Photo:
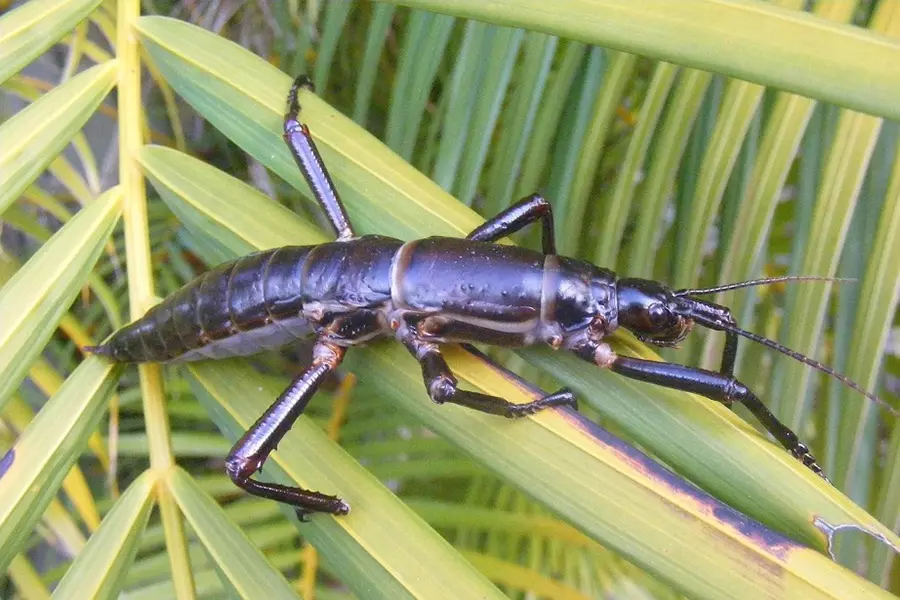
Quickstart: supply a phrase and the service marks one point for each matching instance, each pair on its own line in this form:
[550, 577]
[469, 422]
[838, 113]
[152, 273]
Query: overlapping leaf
[385, 196]
[837, 59]
[32, 470]
[740, 460]
[602, 481]
[244, 569]
[364, 544]
[37, 296]
[35, 26]
[34, 137]
[101, 567]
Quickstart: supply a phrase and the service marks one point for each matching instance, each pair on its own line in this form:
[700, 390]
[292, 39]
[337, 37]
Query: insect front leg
[715, 386]
[443, 387]
[250, 452]
[519, 215]
[307, 157]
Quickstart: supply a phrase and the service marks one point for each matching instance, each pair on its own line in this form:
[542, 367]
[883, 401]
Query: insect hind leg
[307, 157]
[250, 452]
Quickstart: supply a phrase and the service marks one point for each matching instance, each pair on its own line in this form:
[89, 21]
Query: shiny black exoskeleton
[426, 293]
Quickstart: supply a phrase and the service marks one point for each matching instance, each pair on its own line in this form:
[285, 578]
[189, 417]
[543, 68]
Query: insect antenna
[755, 282]
[784, 349]
[812, 363]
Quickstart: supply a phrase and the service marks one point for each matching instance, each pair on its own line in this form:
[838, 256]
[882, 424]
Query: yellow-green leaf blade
[363, 545]
[33, 137]
[674, 132]
[841, 64]
[214, 197]
[611, 221]
[100, 568]
[26, 579]
[39, 294]
[239, 116]
[234, 397]
[35, 26]
[246, 570]
[603, 488]
[35, 466]
[206, 70]
[704, 439]
[843, 175]
[739, 107]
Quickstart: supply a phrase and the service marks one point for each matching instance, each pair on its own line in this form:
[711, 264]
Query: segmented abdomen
[241, 307]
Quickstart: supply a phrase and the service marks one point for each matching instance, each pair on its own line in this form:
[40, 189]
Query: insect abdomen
[239, 308]
[264, 301]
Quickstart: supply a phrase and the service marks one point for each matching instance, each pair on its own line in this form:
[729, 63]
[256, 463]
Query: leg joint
[735, 391]
[239, 469]
[539, 202]
[441, 389]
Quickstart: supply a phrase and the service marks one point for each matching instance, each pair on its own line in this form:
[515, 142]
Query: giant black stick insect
[426, 293]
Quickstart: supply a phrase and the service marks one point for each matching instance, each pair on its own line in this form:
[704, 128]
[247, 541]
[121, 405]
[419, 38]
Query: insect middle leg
[307, 157]
[715, 386]
[443, 387]
[250, 452]
[729, 354]
[519, 215]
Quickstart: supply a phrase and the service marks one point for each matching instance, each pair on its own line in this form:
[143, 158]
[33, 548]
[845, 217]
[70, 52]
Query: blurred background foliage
[654, 170]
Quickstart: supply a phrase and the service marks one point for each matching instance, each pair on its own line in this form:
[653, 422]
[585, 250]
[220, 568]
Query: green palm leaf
[491, 113]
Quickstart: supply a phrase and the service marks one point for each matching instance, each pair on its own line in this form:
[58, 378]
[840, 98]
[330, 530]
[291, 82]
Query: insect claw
[303, 81]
